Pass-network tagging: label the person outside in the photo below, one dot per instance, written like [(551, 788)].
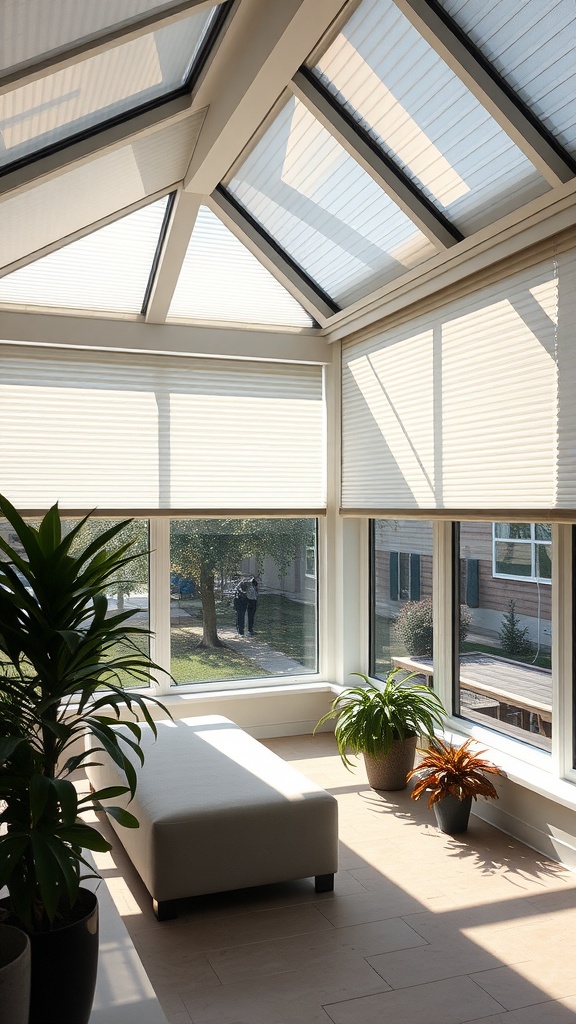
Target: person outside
[(252, 597), (240, 605)]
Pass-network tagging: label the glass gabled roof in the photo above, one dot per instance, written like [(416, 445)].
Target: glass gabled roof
[(107, 270), (65, 102), (532, 46), (414, 125), (221, 280), (324, 210), (401, 92)]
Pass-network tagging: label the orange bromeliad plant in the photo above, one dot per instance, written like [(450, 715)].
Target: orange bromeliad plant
[(457, 771)]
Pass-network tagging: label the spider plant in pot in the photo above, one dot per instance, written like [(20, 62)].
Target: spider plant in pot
[(64, 657), (452, 776), (382, 721)]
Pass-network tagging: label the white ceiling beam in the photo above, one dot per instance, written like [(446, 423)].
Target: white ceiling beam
[(391, 181), (114, 137), (260, 247), (182, 221), (496, 101), (261, 51), (297, 345), (125, 33)]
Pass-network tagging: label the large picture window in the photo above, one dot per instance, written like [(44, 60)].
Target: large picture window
[(243, 605), (505, 677), (401, 594)]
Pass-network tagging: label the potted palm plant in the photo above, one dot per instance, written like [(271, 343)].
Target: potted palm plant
[(452, 776), (64, 657), (382, 721)]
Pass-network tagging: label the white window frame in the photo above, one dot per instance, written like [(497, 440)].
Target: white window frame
[(534, 543)]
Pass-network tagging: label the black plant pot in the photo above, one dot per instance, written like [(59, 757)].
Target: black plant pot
[(452, 814), (64, 967)]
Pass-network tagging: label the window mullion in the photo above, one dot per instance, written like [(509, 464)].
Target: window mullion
[(160, 597)]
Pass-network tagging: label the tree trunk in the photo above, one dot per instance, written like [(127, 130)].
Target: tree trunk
[(210, 636)]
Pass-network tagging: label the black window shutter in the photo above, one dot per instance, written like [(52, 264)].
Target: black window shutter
[(394, 576), (472, 582), (414, 577)]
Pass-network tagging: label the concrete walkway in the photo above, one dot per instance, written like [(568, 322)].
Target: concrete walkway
[(260, 653)]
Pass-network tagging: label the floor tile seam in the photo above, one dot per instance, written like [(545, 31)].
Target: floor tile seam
[(424, 984), (445, 977), (504, 925), (546, 997)]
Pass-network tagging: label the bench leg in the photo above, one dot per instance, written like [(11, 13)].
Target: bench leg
[(324, 883), (165, 910)]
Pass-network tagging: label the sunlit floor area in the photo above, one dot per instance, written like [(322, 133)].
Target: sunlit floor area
[(422, 928)]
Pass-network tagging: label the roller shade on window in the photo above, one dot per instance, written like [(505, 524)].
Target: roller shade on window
[(111, 431), (469, 405)]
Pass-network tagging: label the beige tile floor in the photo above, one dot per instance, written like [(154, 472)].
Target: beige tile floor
[(422, 928)]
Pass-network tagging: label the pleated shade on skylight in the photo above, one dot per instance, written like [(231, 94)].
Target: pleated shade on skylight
[(107, 270), (422, 116), (33, 28), (324, 210), (58, 206), (142, 433), (532, 46), (109, 84), (222, 280), (460, 407)]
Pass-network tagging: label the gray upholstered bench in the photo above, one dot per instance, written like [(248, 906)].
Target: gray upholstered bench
[(219, 811)]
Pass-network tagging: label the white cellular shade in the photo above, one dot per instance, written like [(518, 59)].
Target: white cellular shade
[(421, 115), (221, 280), (566, 486), (144, 433), (109, 84), (531, 44), (324, 210), (56, 207), (106, 270), (458, 409)]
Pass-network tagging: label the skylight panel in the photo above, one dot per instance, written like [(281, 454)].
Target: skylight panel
[(324, 210), (110, 84), (532, 46), (221, 280), (399, 90), (33, 28), (107, 270)]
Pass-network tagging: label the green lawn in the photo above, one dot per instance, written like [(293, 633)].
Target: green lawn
[(287, 627)]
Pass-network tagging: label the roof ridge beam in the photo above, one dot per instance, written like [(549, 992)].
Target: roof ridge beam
[(265, 43), (499, 100), (381, 169)]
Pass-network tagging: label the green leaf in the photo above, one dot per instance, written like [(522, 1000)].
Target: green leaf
[(40, 790), (82, 835), (48, 874), (123, 817), (68, 799)]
